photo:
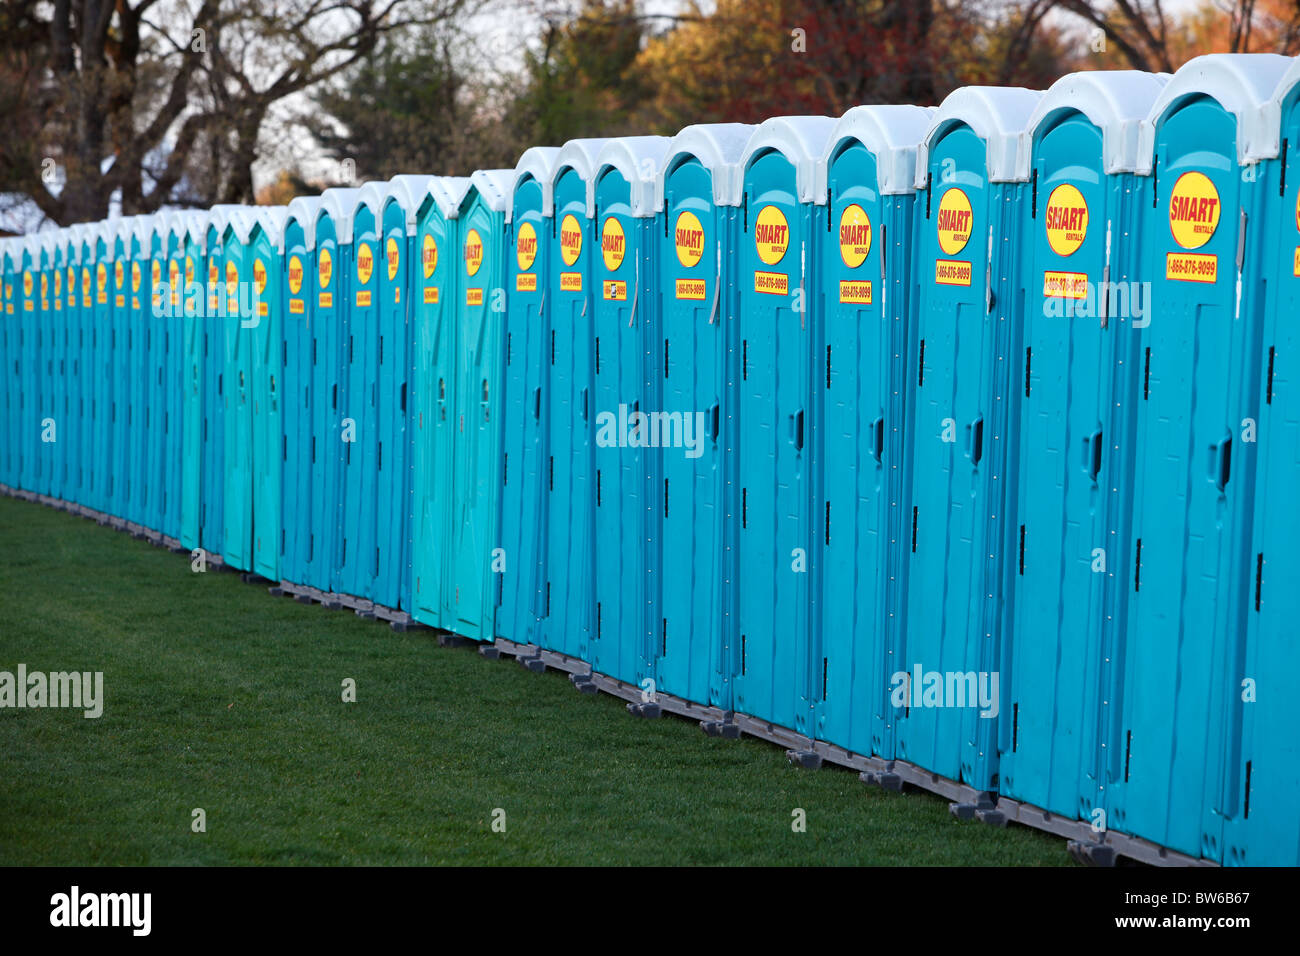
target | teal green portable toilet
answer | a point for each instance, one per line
(26, 364)
(165, 296)
(155, 332)
(257, 233)
(190, 235)
(215, 382)
(122, 367)
(359, 239)
(73, 425)
(1269, 834)
(1068, 522)
(1194, 582)
(432, 389)
(627, 501)
(8, 347)
(50, 345)
(776, 680)
(237, 316)
(101, 240)
(298, 491)
(470, 599)
(524, 443)
(335, 427)
(860, 420)
(967, 312)
(136, 238)
(90, 439)
(568, 599)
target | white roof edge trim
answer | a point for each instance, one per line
(801, 140)
(638, 159)
(536, 162)
(890, 133)
(718, 147)
(996, 114)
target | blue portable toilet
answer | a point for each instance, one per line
(623, 300)
(688, 328)
(156, 390)
(568, 607)
(50, 350)
(298, 491)
(524, 441)
(400, 200)
(1194, 581)
(1269, 834)
(359, 244)
(102, 331)
(74, 412)
(213, 498)
(478, 318)
(333, 236)
(137, 239)
(89, 439)
(432, 396)
(190, 236)
(254, 369)
(122, 367)
(1067, 526)
(777, 274)
(860, 420)
(236, 317)
(967, 316)
(8, 347)
(25, 416)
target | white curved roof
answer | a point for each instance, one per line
(537, 162)
(302, 210)
(996, 114)
(120, 229)
(104, 231)
(408, 190)
(189, 222)
(74, 237)
(447, 192)
(219, 218)
(1285, 87)
(370, 195)
(1242, 83)
(1115, 101)
(339, 203)
(580, 156)
(269, 218)
(719, 148)
(891, 134)
(638, 159)
(801, 140)
(493, 185)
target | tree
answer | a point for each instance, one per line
(163, 101)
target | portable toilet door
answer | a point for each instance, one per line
(8, 395)
(1194, 578)
(192, 243)
(122, 365)
(26, 431)
(260, 231)
(397, 254)
(237, 385)
(686, 342)
(137, 371)
(359, 240)
(524, 442)
(1269, 834)
(180, 272)
(101, 341)
(469, 601)
(47, 365)
(965, 415)
(298, 500)
(622, 302)
(568, 602)
(88, 436)
(860, 420)
(213, 512)
(432, 377)
(157, 417)
(776, 680)
(73, 424)
(1060, 749)
(333, 233)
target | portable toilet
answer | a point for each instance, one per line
(359, 241)
(73, 425)
(253, 370)
(122, 364)
(101, 356)
(189, 237)
(470, 599)
(50, 346)
(26, 433)
(524, 442)
(1269, 835)
(297, 348)
(1195, 580)
(88, 434)
(1066, 554)
(623, 296)
(432, 391)
(335, 426)
(776, 679)
(213, 498)
(861, 419)
(7, 348)
(154, 333)
(400, 199)
(136, 370)
(568, 599)
(964, 372)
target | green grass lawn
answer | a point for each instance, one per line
(220, 696)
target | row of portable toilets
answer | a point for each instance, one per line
(957, 445)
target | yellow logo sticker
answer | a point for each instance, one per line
(1193, 210)
(855, 240)
(1066, 220)
(954, 222)
(614, 290)
(365, 262)
(58, 282)
(324, 268)
(570, 281)
(1191, 267)
(612, 244)
(259, 276)
(429, 254)
(772, 283)
(232, 278)
(173, 273)
(29, 284)
(295, 275)
(526, 282)
(1065, 285)
(570, 239)
(135, 277)
(473, 252)
(856, 292)
(526, 247)
(119, 274)
(212, 272)
(693, 289)
(189, 269)
(85, 285)
(771, 235)
(101, 278)
(393, 253)
(155, 272)
(473, 296)
(951, 272)
(689, 236)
